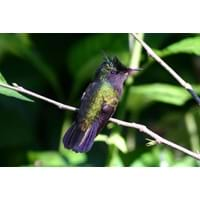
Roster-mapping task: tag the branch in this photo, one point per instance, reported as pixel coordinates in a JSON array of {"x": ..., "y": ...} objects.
[
  {"x": 140, "y": 127},
  {"x": 183, "y": 83},
  {"x": 25, "y": 91}
]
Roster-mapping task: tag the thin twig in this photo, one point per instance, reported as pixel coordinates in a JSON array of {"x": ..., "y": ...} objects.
[
  {"x": 156, "y": 137},
  {"x": 151, "y": 53},
  {"x": 25, "y": 91},
  {"x": 140, "y": 127}
]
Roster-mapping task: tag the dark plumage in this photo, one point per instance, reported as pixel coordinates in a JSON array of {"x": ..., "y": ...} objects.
[{"x": 98, "y": 104}]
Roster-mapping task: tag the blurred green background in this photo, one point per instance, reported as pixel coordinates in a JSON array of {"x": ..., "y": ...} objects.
[{"x": 60, "y": 66}]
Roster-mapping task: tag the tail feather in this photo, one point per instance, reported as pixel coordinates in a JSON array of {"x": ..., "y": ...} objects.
[{"x": 78, "y": 140}]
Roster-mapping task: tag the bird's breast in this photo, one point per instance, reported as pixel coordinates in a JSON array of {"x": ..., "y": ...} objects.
[{"x": 105, "y": 95}]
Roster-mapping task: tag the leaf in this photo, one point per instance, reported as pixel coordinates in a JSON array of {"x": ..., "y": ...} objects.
[
  {"x": 46, "y": 158},
  {"x": 190, "y": 45},
  {"x": 21, "y": 45},
  {"x": 185, "y": 162},
  {"x": 115, "y": 139},
  {"x": 73, "y": 158},
  {"x": 102, "y": 138},
  {"x": 11, "y": 93},
  {"x": 2, "y": 79},
  {"x": 167, "y": 157},
  {"x": 16, "y": 44},
  {"x": 115, "y": 159},
  {"x": 140, "y": 96},
  {"x": 149, "y": 158},
  {"x": 118, "y": 141}
]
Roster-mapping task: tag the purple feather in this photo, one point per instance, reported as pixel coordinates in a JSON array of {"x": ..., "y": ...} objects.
[{"x": 80, "y": 141}]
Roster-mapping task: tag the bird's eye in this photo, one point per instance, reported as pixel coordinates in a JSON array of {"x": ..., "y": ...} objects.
[{"x": 113, "y": 72}]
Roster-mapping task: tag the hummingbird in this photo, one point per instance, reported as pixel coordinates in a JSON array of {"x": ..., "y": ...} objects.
[{"x": 98, "y": 104}]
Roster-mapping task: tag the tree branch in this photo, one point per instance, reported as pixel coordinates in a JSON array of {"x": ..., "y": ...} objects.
[
  {"x": 140, "y": 127},
  {"x": 25, "y": 91},
  {"x": 151, "y": 53}
]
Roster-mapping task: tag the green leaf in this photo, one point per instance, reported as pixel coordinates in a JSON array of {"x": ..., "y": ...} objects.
[
  {"x": 16, "y": 44},
  {"x": 185, "y": 162},
  {"x": 140, "y": 96},
  {"x": 46, "y": 158},
  {"x": 115, "y": 159},
  {"x": 118, "y": 141},
  {"x": 11, "y": 93},
  {"x": 189, "y": 45},
  {"x": 73, "y": 158},
  {"x": 102, "y": 138},
  {"x": 167, "y": 157},
  {"x": 2, "y": 79},
  {"x": 21, "y": 45},
  {"x": 149, "y": 158},
  {"x": 115, "y": 139}
]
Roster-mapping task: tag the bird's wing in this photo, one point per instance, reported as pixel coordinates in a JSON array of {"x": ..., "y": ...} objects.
[{"x": 88, "y": 99}]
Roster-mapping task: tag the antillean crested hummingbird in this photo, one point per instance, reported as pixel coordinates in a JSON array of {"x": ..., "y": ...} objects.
[{"x": 98, "y": 104}]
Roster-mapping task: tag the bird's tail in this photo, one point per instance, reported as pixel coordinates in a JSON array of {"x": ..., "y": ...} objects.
[{"x": 78, "y": 140}]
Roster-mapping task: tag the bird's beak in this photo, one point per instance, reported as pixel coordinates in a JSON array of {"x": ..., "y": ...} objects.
[{"x": 132, "y": 70}]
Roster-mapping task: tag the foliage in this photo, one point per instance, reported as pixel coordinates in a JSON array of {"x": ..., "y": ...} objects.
[
  {"x": 60, "y": 66},
  {"x": 9, "y": 92}
]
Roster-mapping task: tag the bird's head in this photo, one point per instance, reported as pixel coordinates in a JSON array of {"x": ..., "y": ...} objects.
[{"x": 112, "y": 68}]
